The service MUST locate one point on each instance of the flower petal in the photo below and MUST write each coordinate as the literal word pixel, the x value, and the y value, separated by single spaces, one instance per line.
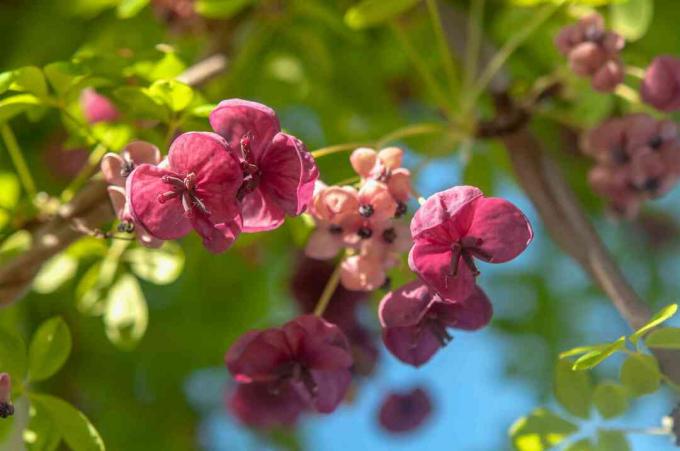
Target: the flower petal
pixel 140 152
pixel 111 166
pixel 259 213
pixel 234 118
pixel 362 273
pixel 165 220
pixel 504 230
pixel 257 354
pixel 117 197
pixel 363 160
pixel 217 238
pixel 443 206
pixel 412 345
pixel 331 389
pixel 473 313
pixel 263 406
pixel 323 245
pixel 432 262
pixel 405 306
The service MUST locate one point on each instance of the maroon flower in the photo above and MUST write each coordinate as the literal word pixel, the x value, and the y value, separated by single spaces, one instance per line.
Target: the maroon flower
pixel 196 189
pixel 454 227
pixel 117 167
pixel 279 172
pixel 415 320
pixel 308 353
pixel 264 405
pixel 6 406
pixel 96 107
pixel 406 411
pixel 661 85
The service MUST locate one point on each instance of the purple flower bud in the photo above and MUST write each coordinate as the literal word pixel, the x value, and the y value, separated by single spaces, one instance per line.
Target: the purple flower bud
pixel 404 412
pixel 661 85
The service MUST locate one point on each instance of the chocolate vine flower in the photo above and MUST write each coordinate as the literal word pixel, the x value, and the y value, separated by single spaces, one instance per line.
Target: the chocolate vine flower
pixel 661 85
pixel 265 406
pixel 116 167
pixel 454 227
pixel 196 189
pixel 6 406
pixel 308 354
pixel 96 107
pixel 405 411
pixel 279 172
pixel 384 166
pixel 415 320
pixel 335 210
pixel 127 220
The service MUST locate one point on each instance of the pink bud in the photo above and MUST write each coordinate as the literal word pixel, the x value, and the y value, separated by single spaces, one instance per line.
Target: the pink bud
pixel 97 108
pixel 391 157
pixel 661 85
pixel 363 160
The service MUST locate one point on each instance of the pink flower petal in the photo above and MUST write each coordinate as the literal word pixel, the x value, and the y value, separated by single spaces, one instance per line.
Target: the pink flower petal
pixel 117 197
pixel 323 245
pixel 260 214
pixel 263 406
pixel 96 107
pixel 140 152
pixel 391 157
pixel 472 313
pixel 256 355
pixel 442 206
pixel 111 166
pixel 362 273
pixel 412 345
pixel 432 262
pixel 363 161
pixel 405 306
pixel 234 118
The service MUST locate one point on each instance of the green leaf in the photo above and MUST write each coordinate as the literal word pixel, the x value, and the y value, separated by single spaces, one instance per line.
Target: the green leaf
pixel 593 358
pixel 540 430
pixel 663 315
pixel 49 349
pixel 30 79
pixel 611 441
pixel 130 8
pixel 168 67
pixel 9 190
pixel 90 295
pixel 640 374
pixel 14 105
pixel 573 389
pixel 127 315
pixel 172 93
pixel 54 273
pixel 632 18
pixel 611 399
pixel 13 358
pixel 76 430
pixel 369 13
pixel 203 110
pixel 6 79
pixel 220 9
pixel 63 76
pixel 42 433
pixel 666 338
pixel 160 266
pixel 140 104
pixel 581 445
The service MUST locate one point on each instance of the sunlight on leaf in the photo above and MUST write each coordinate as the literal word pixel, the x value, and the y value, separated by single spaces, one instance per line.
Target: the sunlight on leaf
pixel 540 430
pixel 663 315
pixel 49 349
pixel 126 315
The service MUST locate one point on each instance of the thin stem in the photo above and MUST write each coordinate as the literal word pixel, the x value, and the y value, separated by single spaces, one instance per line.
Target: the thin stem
pixel 646 431
pixel 328 291
pixel 473 42
pixel 85 173
pixel 423 70
pixel 318 153
pixel 509 48
pixel 18 160
pixel 444 49
pixel 635 71
pixel 411 130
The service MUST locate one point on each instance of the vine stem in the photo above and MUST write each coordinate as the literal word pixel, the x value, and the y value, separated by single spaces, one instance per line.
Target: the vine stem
pixel 411 130
pixel 444 50
pixel 322 152
pixel 635 71
pixel 18 159
pixel 328 291
pixel 473 41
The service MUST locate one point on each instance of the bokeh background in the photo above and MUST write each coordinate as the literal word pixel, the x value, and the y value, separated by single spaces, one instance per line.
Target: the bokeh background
pixel 331 84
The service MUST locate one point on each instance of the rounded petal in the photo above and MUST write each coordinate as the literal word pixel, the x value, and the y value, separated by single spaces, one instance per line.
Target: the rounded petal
pixel 363 161
pixel 289 173
pixel 405 306
pixel 472 313
pixel 412 345
pixel 257 354
pixel 331 389
pixel 117 197
pixel 111 166
pixel 586 58
pixel 399 184
pixel 403 412
pixel 217 238
pixel 263 406
pixel 323 245
pixel 166 220
pixel 608 76
pixel 504 230
pixel 391 157
pixel 235 118
pixel 333 202
pixel 432 263
pixel 362 273
pixel 140 152
pixel 259 213
pixel 379 198
pixel 661 85
pixel 206 155
pixel 96 107
pixel 443 206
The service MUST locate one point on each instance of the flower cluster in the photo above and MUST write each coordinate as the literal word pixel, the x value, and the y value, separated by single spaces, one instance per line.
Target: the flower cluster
pixel 281 372
pixel 245 177
pixel 364 221
pixel 6 406
pixel 637 158
pixel 593 52
pixel 404 412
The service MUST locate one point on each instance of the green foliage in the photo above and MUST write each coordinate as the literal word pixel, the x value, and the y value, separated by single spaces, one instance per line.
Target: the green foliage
pixel 632 18
pixel 54 273
pixel 369 13
pixel 173 94
pixel 160 266
pixel 666 338
pixel 49 349
pixel 13 357
pixel 591 356
pixel 640 374
pixel 126 316
pixel 221 9
pixel 540 430
pixel 611 441
pixel 660 317
pixel 573 389
pixel 610 399
pixel 130 8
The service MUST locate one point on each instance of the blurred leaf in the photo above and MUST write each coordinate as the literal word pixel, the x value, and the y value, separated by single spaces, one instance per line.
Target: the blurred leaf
pixel 479 172
pixel 130 8
pixel 49 349
pixel 573 389
pixel 160 266
pixel 170 66
pixel 54 273
pixel 30 79
pixel 203 110
pixel 663 315
pixel 87 247
pixel 42 433
pixel 581 445
pixel 540 430
pixel 6 427
pixel 375 12
pixel 11 106
pixel 15 244
pixel 631 18
pixel 6 79
pixel 220 9
pixel 577 2
pixel 114 136
pixel 611 399
pixel 9 190
pixel 640 374
pixel 126 315
pixel 90 295
pixel 13 358
pixel 172 93
pixel 593 355
pixel 76 430
pixel 140 104
pixel 666 338
pixel 611 441
pixel 63 76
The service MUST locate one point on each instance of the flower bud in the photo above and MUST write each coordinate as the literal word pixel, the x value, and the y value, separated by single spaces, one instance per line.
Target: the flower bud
pixel 661 85
pixel 6 406
pixel 363 160
pixel 608 77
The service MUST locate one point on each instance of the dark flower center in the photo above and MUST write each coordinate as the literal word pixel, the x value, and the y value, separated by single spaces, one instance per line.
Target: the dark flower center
pixel 438 329
pixel 389 235
pixel 127 167
pixel 186 190
pixel 465 249
pixel 366 210
pixel 656 142
pixel 364 233
pixel 335 229
pixel 294 371
pixel 6 409
pixel 126 227
pixel 402 208
pixel 251 173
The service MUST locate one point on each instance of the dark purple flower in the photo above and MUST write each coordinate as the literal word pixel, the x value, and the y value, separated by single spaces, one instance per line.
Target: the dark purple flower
pixel 265 405
pixel 405 411
pixel 415 320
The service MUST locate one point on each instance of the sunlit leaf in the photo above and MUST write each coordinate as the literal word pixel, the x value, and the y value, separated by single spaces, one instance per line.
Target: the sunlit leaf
pixel 573 389
pixel 63 76
pixel 220 9
pixel 140 104
pixel 30 79
pixel 42 433
pixel 594 355
pixel 126 315
pixel 90 295
pixel 640 374
pixel 9 190
pixel 160 266
pixel 374 12
pixel 130 8
pixel 666 338
pixel 14 105
pixel 663 315
pixel 581 445
pixel 632 18
pixel 54 273
pixel 611 399
pixel 6 79
pixel 174 94
pixel 49 349
pixel 540 430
